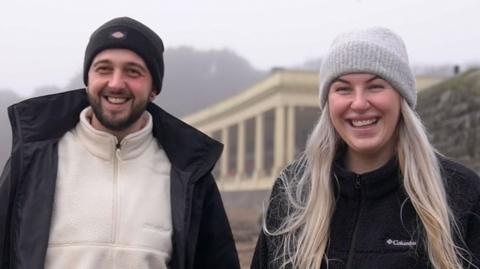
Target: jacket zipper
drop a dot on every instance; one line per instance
(115, 194)
(351, 251)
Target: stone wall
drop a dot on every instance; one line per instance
(451, 113)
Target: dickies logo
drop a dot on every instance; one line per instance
(118, 35)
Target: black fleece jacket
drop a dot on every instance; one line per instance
(374, 224)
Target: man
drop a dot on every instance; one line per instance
(103, 178)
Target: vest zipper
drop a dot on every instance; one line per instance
(351, 251)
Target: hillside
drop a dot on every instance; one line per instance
(451, 113)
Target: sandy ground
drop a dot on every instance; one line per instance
(245, 225)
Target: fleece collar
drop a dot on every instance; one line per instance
(105, 145)
(373, 184)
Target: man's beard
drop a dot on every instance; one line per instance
(117, 124)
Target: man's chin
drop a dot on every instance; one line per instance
(118, 121)
(117, 126)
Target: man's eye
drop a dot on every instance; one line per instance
(102, 69)
(133, 72)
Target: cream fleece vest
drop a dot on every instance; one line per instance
(112, 204)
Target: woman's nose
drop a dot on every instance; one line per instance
(360, 101)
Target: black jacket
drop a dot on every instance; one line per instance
(201, 233)
(374, 225)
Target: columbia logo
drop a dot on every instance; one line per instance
(400, 243)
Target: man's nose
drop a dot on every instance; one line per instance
(116, 80)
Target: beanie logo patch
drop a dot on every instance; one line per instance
(118, 35)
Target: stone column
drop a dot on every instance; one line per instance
(259, 146)
(279, 141)
(241, 150)
(224, 163)
(290, 133)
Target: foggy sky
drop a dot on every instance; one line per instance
(42, 42)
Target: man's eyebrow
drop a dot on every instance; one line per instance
(129, 64)
(141, 66)
(105, 61)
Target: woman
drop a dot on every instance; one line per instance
(370, 191)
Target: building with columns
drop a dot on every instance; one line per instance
(265, 127)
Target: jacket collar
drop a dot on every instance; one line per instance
(373, 184)
(49, 117)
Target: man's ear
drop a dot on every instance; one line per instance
(152, 95)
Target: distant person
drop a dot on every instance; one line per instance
(103, 178)
(370, 190)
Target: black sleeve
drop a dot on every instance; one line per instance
(5, 193)
(463, 187)
(216, 247)
(472, 238)
(266, 247)
(260, 256)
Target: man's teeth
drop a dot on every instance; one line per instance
(360, 123)
(116, 100)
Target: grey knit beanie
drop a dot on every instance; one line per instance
(375, 50)
(127, 33)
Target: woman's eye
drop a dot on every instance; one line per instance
(342, 89)
(376, 87)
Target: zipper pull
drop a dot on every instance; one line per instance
(358, 184)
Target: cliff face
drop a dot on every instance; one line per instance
(451, 113)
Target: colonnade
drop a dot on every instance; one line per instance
(283, 146)
(264, 127)
(258, 128)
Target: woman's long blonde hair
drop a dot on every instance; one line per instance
(304, 233)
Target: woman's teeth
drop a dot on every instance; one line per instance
(361, 123)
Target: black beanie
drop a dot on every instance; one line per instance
(127, 33)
